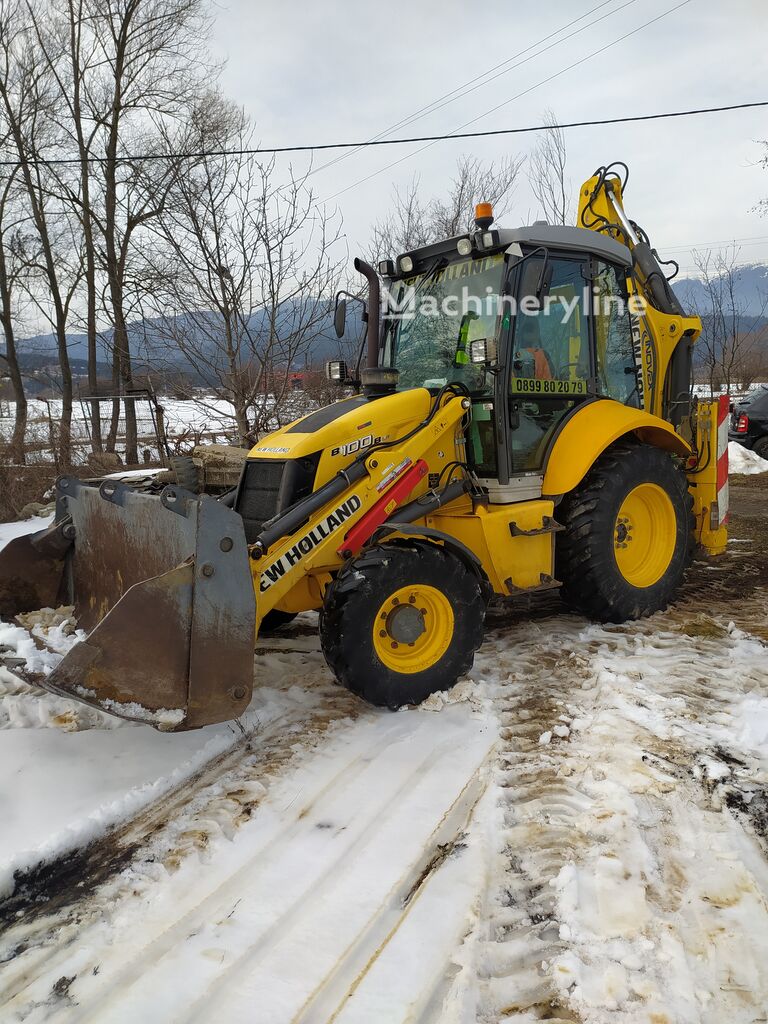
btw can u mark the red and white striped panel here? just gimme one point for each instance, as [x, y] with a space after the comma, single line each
[723, 412]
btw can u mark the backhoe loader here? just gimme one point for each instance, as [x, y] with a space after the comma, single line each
[524, 421]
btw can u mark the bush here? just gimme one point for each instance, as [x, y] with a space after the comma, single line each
[20, 485]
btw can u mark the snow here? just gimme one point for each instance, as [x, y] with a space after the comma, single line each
[88, 781]
[139, 474]
[204, 418]
[626, 889]
[328, 882]
[743, 460]
[577, 830]
[163, 718]
[9, 531]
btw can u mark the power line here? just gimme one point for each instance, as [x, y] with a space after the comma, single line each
[485, 78]
[135, 158]
[455, 134]
[746, 240]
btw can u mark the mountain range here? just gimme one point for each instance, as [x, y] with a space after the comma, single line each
[150, 349]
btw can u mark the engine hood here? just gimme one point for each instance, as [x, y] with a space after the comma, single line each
[340, 431]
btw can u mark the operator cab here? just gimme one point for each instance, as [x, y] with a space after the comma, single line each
[534, 321]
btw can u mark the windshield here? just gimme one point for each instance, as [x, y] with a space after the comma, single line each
[432, 318]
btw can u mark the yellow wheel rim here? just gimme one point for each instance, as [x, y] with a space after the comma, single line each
[645, 534]
[413, 629]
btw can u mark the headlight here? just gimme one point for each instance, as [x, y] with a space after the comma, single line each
[336, 370]
[483, 350]
[405, 264]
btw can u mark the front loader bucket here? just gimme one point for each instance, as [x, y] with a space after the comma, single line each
[164, 589]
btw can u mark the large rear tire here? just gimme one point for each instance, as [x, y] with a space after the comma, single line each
[402, 622]
[628, 537]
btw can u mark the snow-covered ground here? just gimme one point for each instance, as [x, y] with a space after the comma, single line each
[188, 421]
[578, 832]
[742, 460]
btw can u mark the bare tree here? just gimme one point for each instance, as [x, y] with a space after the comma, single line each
[148, 63]
[728, 338]
[68, 48]
[762, 206]
[751, 364]
[414, 221]
[31, 116]
[244, 278]
[11, 225]
[547, 176]
[126, 72]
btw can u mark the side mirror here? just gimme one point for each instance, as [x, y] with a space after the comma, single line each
[340, 317]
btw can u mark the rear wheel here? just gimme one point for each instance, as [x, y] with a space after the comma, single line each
[761, 447]
[401, 622]
[628, 535]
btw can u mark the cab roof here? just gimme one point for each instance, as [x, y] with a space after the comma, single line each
[559, 237]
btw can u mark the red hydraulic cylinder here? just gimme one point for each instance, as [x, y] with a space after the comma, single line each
[382, 509]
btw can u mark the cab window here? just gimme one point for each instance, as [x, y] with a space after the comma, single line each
[550, 363]
[615, 357]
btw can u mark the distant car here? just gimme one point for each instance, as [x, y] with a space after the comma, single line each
[749, 421]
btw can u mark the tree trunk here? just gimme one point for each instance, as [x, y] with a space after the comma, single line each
[16, 452]
[18, 437]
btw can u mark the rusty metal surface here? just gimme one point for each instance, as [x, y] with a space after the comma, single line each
[164, 586]
[121, 538]
[30, 577]
[139, 653]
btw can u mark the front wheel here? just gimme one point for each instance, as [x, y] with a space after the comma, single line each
[628, 535]
[402, 622]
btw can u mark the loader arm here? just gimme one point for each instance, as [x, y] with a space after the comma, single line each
[373, 487]
[173, 595]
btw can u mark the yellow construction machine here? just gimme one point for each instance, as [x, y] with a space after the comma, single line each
[525, 421]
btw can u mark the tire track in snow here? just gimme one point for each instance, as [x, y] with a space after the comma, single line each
[333, 816]
[240, 882]
[47, 916]
[599, 913]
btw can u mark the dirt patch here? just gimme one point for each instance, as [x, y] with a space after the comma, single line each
[47, 887]
[751, 804]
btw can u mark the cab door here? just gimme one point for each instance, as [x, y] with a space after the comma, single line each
[549, 366]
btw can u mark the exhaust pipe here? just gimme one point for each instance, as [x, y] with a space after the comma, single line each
[374, 309]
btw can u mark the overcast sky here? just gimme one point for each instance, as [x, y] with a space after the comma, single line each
[334, 70]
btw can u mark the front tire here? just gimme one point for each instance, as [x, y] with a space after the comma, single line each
[628, 535]
[275, 620]
[402, 622]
